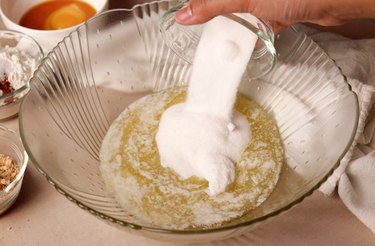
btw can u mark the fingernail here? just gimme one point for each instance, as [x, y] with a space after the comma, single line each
[184, 14]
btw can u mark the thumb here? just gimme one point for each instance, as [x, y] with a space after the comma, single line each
[199, 11]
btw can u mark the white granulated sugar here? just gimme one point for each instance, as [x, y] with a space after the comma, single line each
[157, 153]
[269, 164]
[16, 65]
[204, 136]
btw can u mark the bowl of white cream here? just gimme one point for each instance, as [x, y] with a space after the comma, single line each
[19, 57]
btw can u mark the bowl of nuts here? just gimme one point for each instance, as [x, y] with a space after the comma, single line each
[13, 162]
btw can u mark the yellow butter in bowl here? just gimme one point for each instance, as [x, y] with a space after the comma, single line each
[55, 15]
[67, 16]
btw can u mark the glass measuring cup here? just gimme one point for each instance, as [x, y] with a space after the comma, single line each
[183, 40]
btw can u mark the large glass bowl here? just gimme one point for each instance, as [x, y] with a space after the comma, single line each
[119, 56]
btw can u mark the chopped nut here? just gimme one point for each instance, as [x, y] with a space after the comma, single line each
[5, 86]
[8, 171]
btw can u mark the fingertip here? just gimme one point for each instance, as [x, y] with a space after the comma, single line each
[192, 14]
[184, 15]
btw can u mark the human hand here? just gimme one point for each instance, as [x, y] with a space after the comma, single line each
[280, 12]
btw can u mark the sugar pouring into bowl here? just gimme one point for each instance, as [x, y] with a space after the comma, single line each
[48, 21]
[206, 137]
[214, 149]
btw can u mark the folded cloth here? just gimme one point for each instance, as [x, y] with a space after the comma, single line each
[365, 98]
[355, 176]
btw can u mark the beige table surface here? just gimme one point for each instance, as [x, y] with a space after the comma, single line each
[41, 216]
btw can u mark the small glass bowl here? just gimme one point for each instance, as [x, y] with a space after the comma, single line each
[11, 145]
[18, 42]
[183, 40]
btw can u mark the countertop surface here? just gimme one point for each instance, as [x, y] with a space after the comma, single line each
[41, 216]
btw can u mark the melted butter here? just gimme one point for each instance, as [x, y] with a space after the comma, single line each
[157, 195]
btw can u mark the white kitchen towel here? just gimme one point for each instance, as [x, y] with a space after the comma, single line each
[355, 176]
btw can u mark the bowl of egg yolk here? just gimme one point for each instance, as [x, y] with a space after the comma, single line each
[48, 21]
[90, 118]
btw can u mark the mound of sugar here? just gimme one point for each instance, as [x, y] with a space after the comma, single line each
[205, 136]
